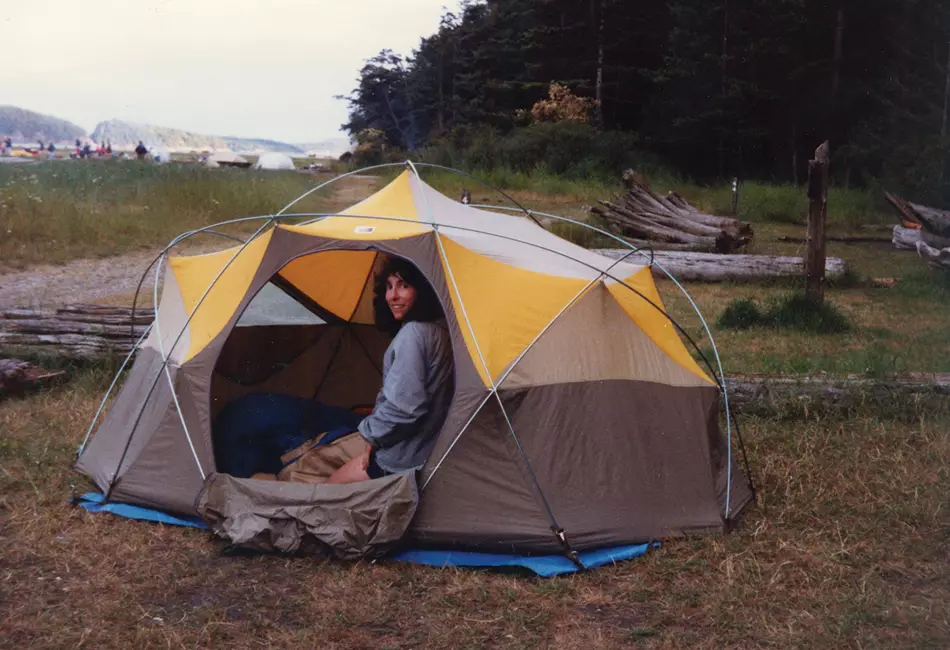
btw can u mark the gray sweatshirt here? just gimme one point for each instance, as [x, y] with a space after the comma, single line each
[415, 398]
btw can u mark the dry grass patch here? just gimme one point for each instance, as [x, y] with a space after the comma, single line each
[847, 548]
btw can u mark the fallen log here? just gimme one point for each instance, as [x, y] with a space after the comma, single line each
[933, 223]
[78, 331]
[771, 395]
[842, 240]
[710, 267]
[18, 377]
[670, 222]
[937, 257]
[905, 238]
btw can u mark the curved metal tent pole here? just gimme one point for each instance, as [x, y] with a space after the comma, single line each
[483, 182]
[332, 214]
[720, 376]
[556, 528]
[165, 358]
[209, 230]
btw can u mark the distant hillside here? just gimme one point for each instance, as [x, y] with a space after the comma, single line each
[127, 134]
[22, 125]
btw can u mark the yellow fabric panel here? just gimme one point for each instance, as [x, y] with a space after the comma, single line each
[332, 279]
[507, 306]
[653, 323]
[196, 273]
[395, 200]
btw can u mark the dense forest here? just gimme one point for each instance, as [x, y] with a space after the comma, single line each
[708, 88]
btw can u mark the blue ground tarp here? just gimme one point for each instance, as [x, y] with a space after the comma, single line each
[544, 565]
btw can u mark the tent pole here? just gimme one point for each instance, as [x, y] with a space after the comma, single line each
[555, 527]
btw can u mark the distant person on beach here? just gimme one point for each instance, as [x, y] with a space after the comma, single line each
[141, 151]
[51, 150]
[86, 151]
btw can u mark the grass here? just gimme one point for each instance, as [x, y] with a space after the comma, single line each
[847, 548]
[56, 211]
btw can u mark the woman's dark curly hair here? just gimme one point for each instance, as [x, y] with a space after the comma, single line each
[426, 306]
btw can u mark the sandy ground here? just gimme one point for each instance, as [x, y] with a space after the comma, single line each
[110, 279]
[113, 280]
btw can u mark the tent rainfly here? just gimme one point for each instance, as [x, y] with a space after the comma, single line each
[579, 419]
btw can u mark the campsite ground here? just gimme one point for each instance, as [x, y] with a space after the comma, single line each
[847, 546]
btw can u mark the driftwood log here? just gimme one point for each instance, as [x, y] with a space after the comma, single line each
[670, 223]
[77, 332]
[771, 395]
[934, 224]
[905, 238]
[710, 267]
[18, 377]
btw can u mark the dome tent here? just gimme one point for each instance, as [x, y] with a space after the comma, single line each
[274, 160]
[579, 419]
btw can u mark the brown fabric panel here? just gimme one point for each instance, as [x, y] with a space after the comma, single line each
[480, 497]
[596, 340]
[251, 355]
[165, 474]
[352, 521]
[622, 461]
[355, 375]
[101, 457]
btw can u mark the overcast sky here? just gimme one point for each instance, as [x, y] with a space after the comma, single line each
[248, 68]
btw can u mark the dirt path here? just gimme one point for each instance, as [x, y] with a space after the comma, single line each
[113, 279]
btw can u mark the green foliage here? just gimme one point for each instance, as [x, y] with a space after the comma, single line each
[795, 311]
[792, 311]
[715, 89]
[740, 314]
[568, 149]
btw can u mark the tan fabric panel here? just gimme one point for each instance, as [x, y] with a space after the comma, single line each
[171, 318]
[100, 459]
[623, 461]
[596, 340]
[348, 521]
[653, 321]
[481, 496]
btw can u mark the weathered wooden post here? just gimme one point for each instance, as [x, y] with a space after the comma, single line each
[817, 218]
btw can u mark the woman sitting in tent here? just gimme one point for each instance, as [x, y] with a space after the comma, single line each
[253, 433]
[417, 378]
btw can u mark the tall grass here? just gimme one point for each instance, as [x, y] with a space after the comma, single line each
[764, 202]
[60, 210]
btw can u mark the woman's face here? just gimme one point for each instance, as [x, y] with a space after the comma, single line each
[400, 296]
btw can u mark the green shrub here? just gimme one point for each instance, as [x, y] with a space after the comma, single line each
[740, 314]
[792, 311]
[795, 311]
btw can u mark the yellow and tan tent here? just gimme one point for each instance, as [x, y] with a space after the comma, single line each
[579, 418]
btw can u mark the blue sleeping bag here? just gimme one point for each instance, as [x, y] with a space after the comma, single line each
[251, 433]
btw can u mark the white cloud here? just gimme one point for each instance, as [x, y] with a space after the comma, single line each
[253, 68]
